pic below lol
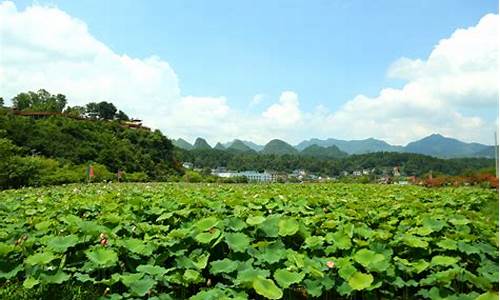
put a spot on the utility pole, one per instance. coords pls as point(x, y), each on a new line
point(496, 154)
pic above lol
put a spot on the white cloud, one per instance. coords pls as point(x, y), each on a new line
point(460, 74)
point(284, 113)
point(44, 47)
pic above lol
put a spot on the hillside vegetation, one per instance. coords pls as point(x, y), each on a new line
point(329, 162)
point(59, 148)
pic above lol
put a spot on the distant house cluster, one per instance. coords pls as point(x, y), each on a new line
point(382, 176)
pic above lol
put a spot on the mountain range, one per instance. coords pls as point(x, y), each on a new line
point(433, 145)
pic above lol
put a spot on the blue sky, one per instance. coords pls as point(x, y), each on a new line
point(327, 52)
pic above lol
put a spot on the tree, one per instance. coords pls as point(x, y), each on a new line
point(122, 116)
point(76, 111)
point(1, 102)
point(39, 101)
point(102, 110)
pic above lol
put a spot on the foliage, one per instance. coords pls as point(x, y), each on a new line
point(410, 164)
point(39, 101)
point(80, 142)
point(206, 241)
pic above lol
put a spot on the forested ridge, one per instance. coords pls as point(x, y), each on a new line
point(60, 148)
point(409, 163)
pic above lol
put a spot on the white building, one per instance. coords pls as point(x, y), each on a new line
point(187, 165)
point(250, 175)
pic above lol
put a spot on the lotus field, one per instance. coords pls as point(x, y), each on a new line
point(277, 241)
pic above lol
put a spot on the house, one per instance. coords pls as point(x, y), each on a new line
point(366, 172)
point(249, 175)
point(187, 165)
point(356, 173)
point(396, 171)
point(344, 173)
point(256, 176)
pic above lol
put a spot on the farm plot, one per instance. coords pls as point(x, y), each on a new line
point(289, 241)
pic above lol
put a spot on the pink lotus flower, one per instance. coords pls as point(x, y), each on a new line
point(330, 264)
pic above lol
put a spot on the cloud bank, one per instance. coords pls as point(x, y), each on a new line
point(44, 47)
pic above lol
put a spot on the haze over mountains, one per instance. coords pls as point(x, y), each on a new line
point(433, 145)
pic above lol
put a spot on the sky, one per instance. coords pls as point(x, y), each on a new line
point(258, 70)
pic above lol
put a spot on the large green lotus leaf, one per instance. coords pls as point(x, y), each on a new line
point(6, 249)
point(459, 220)
point(42, 258)
point(286, 278)
point(238, 242)
point(447, 244)
point(272, 253)
point(288, 226)
point(344, 289)
point(489, 270)
point(128, 279)
point(57, 278)
point(102, 257)
point(267, 288)
point(295, 258)
point(152, 270)
point(345, 267)
point(212, 294)
point(415, 242)
point(468, 248)
point(192, 276)
point(84, 277)
point(12, 273)
point(206, 223)
point(43, 226)
point(137, 246)
point(339, 240)
point(440, 260)
point(367, 257)
point(142, 286)
point(223, 266)
point(207, 237)
point(270, 226)
point(314, 242)
point(314, 287)
point(62, 243)
point(488, 296)
point(30, 282)
point(249, 274)
point(255, 220)
point(91, 228)
point(236, 224)
point(419, 266)
point(360, 281)
point(433, 224)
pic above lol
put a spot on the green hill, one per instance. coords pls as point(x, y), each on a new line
point(200, 144)
point(238, 145)
point(278, 147)
point(441, 146)
point(64, 145)
point(219, 146)
point(323, 152)
point(181, 143)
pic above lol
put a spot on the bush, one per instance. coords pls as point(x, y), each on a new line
point(192, 176)
point(136, 177)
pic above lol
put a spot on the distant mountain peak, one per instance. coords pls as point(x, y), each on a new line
point(278, 147)
point(219, 146)
point(182, 143)
point(201, 143)
point(238, 145)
